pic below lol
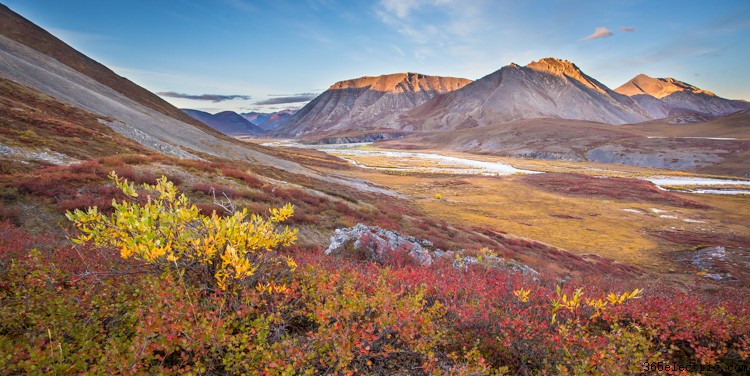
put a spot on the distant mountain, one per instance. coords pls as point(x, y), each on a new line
point(548, 88)
point(663, 96)
point(269, 121)
point(227, 122)
point(656, 87)
point(255, 117)
point(367, 102)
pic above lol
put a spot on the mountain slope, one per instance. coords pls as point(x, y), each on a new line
point(127, 116)
point(227, 122)
point(549, 88)
point(662, 96)
point(371, 102)
point(21, 30)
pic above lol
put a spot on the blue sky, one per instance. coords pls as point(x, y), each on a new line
point(248, 55)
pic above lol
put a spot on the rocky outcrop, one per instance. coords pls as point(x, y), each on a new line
point(379, 244)
point(705, 259)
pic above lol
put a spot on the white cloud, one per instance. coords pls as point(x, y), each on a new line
point(627, 29)
point(400, 51)
point(601, 32)
point(439, 23)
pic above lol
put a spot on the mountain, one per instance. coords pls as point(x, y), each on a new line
point(662, 96)
point(548, 88)
point(277, 119)
point(255, 117)
point(269, 121)
point(367, 102)
point(227, 122)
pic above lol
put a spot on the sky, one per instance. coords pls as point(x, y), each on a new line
point(258, 55)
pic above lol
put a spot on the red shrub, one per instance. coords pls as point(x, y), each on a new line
point(8, 214)
point(207, 209)
point(217, 190)
point(344, 209)
point(250, 180)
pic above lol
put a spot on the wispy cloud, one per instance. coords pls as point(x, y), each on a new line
point(400, 51)
point(215, 98)
point(627, 29)
point(601, 32)
point(436, 22)
point(297, 98)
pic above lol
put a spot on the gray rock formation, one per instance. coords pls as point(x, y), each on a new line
point(377, 244)
point(705, 260)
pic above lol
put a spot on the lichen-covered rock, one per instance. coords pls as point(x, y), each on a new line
point(706, 259)
point(494, 262)
point(377, 244)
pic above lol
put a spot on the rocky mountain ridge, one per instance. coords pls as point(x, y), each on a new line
point(367, 102)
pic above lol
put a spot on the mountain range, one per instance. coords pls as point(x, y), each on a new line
point(269, 120)
point(227, 122)
point(546, 89)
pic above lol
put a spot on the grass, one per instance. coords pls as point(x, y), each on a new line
point(566, 213)
point(32, 120)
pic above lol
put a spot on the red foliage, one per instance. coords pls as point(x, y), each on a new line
point(217, 190)
point(9, 214)
point(615, 188)
point(250, 180)
point(207, 209)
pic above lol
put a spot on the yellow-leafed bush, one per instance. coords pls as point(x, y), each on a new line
point(170, 232)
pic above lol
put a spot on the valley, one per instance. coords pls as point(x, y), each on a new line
point(243, 219)
point(583, 213)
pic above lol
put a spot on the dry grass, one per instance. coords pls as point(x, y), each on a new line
point(580, 223)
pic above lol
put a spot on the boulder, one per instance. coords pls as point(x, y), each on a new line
point(378, 244)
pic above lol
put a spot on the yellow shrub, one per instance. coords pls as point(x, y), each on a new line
point(170, 231)
point(438, 196)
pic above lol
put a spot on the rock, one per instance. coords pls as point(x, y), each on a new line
point(494, 262)
point(377, 243)
point(705, 259)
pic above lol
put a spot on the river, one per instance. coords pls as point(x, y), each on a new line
point(437, 163)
